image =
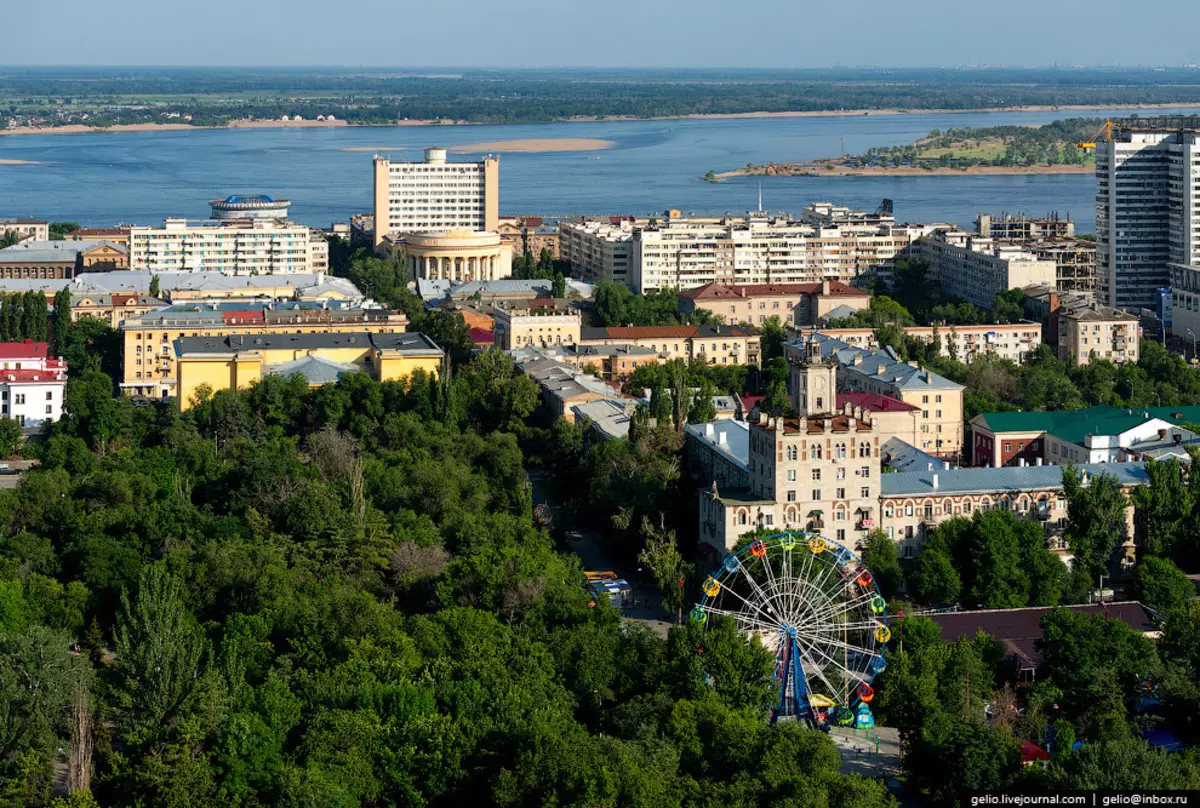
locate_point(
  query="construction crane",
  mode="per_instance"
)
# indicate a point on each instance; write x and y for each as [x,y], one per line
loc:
[1105,130]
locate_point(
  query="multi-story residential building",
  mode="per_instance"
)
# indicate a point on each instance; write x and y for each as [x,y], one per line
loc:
[536,323]
[26,228]
[528,234]
[435,195]
[827,214]
[235,362]
[756,250]
[1087,333]
[794,303]
[236,247]
[1147,208]
[457,256]
[60,259]
[1101,434]
[598,250]
[939,400]
[653,253]
[113,309]
[1185,301]
[149,366]
[977,269]
[208,287]
[1012,341]
[31,383]
[713,344]
[1008,227]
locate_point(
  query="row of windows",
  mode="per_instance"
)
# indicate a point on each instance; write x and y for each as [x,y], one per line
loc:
[839,493]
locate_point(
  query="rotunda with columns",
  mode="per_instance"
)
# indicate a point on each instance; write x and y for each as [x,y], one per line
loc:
[458,256]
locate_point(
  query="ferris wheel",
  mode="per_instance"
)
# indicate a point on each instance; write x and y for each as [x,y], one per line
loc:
[817,607]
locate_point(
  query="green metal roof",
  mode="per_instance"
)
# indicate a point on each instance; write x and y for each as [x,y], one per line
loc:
[1073,425]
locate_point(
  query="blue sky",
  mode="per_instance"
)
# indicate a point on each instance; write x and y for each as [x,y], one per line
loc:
[641,33]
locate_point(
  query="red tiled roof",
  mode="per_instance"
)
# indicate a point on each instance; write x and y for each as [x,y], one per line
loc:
[481,336]
[719,291]
[23,350]
[749,402]
[34,376]
[651,331]
[91,233]
[873,402]
[243,317]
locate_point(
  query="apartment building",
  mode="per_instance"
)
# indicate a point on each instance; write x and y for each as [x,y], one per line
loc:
[827,214]
[25,228]
[535,323]
[939,400]
[754,304]
[1147,208]
[598,250]
[235,362]
[1009,227]
[31,383]
[149,361]
[713,344]
[435,195]
[1087,333]
[235,247]
[1185,300]
[977,269]
[964,343]
[756,250]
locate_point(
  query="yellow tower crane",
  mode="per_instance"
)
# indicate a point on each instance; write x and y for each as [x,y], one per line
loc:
[1105,130]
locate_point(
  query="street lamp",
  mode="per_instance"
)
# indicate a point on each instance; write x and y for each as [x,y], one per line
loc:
[1192,334]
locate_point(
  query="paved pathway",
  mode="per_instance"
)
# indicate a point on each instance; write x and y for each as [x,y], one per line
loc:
[858,751]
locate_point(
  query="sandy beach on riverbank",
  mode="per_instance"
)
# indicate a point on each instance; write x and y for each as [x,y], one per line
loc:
[530,145]
[4,162]
[79,129]
[827,170]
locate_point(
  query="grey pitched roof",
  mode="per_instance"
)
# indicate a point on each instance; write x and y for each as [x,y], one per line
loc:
[736,444]
[1000,480]
[882,366]
[430,290]
[139,281]
[51,250]
[903,456]
[315,369]
[607,416]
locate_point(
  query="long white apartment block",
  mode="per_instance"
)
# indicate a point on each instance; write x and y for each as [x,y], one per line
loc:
[756,249]
[241,247]
[977,269]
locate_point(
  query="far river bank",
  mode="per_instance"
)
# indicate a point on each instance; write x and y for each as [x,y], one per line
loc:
[75,129]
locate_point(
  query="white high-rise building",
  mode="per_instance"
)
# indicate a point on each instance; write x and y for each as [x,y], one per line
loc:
[235,247]
[1147,208]
[436,195]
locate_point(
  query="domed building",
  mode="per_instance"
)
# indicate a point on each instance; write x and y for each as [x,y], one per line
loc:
[256,206]
[458,256]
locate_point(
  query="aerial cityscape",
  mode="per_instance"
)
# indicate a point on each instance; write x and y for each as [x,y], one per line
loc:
[600,427]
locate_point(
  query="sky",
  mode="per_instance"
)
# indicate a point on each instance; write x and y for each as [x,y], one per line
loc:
[604,33]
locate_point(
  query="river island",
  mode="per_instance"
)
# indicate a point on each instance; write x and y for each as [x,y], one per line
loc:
[1059,147]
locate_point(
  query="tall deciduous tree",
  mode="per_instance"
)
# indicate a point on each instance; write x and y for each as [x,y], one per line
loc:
[1095,518]
[161,653]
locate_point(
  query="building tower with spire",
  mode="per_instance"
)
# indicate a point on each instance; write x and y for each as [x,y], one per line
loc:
[813,381]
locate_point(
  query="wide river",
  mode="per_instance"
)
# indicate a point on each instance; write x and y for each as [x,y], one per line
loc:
[100,179]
